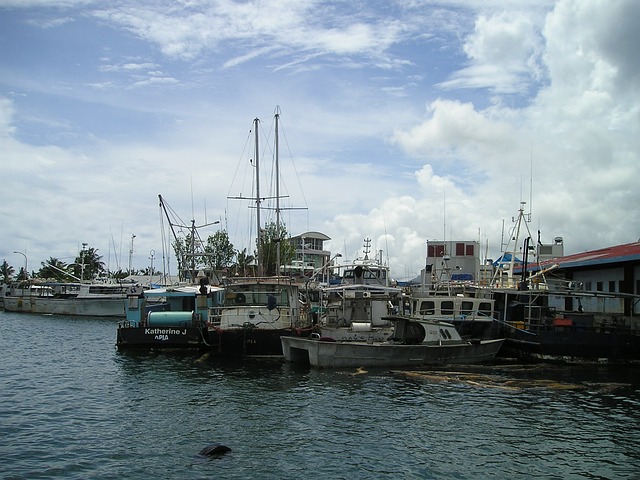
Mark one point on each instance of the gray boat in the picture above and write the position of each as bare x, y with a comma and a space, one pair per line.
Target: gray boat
414, 342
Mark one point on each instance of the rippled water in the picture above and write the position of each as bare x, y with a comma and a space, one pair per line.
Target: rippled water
71, 406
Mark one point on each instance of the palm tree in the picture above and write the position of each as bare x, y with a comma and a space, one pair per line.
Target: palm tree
245, 263
53, 268
6, 271
88, 264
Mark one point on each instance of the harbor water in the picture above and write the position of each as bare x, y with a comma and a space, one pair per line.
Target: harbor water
73, 407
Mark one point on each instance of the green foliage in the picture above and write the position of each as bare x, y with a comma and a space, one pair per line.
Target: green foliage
6, 271
120, 274
244, 263
220, 250
54, 268
217, 254
271, 237
88, 264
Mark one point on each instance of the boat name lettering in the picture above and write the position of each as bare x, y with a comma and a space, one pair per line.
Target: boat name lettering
165, 331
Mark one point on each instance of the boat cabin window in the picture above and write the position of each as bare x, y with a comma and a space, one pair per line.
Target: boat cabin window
485, 309
466, 308
446, 307
367, 274
427, 308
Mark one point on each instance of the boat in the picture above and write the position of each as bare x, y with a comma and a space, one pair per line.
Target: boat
548, 312
454, 298
176, 317
358, 308
75, 298
473, 317
258, 310
255, 313
414, 342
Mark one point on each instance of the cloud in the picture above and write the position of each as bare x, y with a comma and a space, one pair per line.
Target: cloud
503, 54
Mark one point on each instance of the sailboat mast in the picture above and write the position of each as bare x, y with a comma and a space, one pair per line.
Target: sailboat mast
278, 239
258, 231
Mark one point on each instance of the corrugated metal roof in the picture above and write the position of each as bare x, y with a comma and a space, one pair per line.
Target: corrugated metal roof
627, 252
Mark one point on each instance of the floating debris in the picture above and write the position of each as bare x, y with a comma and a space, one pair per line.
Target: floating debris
214, 450
497, 381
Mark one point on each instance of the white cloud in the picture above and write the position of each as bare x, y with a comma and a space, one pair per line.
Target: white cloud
503, 54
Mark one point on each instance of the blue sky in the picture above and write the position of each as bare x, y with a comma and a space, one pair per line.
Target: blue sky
403, 121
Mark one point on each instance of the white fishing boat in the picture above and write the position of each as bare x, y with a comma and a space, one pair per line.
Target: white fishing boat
258, 310
81, 299
414, 342
358, 308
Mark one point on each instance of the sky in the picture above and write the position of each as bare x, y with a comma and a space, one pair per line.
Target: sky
401, 121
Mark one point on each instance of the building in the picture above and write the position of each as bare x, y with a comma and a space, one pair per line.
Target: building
611, 270
310, 254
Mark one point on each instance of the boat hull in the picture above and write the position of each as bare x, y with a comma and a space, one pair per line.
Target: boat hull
241, 342
326, 354
102, 307
162, 337
573, 347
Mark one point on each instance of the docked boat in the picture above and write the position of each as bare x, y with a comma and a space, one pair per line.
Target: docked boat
536, 329
582, 308
81, 299
470, 310
414, 342
449, 290
255, 313
169, 318
358, 309
258, 310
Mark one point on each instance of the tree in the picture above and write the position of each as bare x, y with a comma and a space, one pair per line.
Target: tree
219, 250
53, 268
244, 263
187, 256
6, 271
88, 264
22, 275
271, 237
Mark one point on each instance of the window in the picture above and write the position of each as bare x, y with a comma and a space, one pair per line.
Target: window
469, 250
427, 308
612, 285
599, 287
485, 308
446, 307
436, 251
466, 308
459, 249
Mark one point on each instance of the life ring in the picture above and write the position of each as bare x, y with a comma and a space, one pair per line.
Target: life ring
240, 298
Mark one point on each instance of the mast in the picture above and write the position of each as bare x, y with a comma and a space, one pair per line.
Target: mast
258, 232
278, 239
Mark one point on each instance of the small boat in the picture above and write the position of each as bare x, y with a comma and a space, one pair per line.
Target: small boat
169, 318
414, 342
